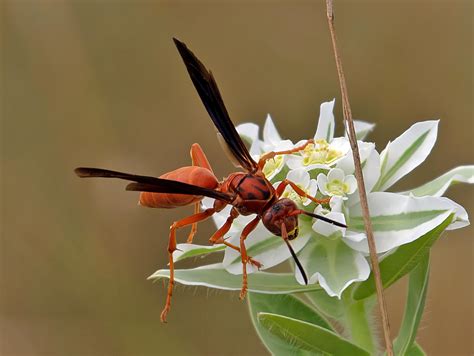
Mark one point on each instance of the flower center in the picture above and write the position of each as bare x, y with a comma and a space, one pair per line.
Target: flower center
337, 187
319, 153
273, 165
292, 195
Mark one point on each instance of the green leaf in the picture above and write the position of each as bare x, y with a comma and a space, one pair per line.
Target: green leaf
286, 305
358, 322
215, 276
309, 337
188, 251
438, 186
415, 350
401, 262
417, 288
331, 306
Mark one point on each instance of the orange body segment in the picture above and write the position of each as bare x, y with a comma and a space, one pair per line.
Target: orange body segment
195, 175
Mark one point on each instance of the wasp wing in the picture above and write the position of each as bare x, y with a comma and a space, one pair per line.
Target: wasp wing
207, 89
152, 184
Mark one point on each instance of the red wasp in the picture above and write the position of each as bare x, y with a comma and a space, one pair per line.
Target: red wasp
248, 192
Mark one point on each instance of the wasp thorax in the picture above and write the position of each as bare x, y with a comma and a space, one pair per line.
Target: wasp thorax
278, 214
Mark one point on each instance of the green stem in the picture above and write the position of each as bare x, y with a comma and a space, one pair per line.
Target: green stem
358, 324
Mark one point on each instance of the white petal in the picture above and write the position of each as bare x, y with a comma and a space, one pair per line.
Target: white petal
256, 149
248, 131
263, 247
437, 187
283, 145
399, 219
347, 163
371, 172
351, 182
461, 218
326, 229
362, 129
407, 152
321, 210
295, 162
207, 203
275, 146
326, 122
220, 217
352, 236
336, 173
336, 204
300, 177
311, 189
333, 264
270, 133
322, 181
276, 170
341, 144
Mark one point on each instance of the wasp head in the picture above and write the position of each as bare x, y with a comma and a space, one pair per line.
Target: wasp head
279, 213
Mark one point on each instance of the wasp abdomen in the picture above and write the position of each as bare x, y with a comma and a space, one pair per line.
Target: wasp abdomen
195, 175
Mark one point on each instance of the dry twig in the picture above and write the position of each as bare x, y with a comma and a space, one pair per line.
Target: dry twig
360, 181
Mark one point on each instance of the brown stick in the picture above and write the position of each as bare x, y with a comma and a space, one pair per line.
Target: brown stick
360, 181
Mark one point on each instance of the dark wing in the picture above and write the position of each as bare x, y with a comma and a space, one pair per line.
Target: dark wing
207, 89
152, 184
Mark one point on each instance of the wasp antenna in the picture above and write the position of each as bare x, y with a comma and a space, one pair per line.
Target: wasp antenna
321, 217
284, 235
297, 261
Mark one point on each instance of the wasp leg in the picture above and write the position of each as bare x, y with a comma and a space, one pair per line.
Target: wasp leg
250, 260
243, 253
281, 188
172, 247
272, 154
197, 210
218, 237
219, 234
198, 158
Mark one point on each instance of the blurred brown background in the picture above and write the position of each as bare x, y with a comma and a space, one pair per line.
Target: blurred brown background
100, 83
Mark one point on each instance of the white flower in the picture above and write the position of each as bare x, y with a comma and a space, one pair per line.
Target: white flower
336, 183
249, 133
271, 142
303, 181
326, 150
332, 256
334, 213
